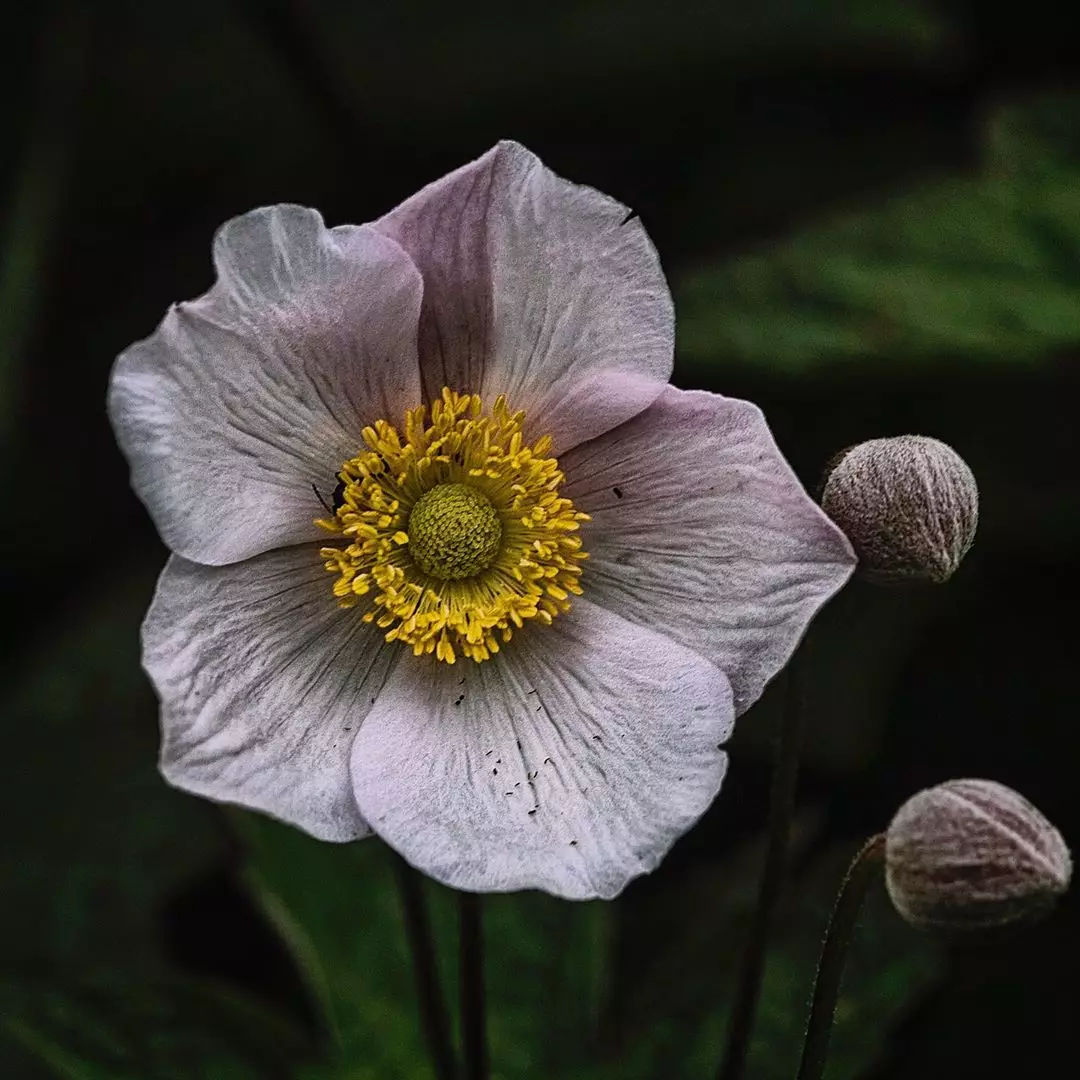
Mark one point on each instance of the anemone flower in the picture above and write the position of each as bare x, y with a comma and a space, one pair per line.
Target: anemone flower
451, 562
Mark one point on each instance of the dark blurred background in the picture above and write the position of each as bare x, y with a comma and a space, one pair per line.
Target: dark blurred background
869, 212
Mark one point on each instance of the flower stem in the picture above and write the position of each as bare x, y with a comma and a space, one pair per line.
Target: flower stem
434, 1018
473, 1020
781, 807
830, 969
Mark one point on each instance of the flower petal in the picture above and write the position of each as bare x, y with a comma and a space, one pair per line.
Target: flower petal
245, 398
264, 682
570, 762
539, 289
701, 530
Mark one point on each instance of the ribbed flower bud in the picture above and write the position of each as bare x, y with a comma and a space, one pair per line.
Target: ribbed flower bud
973, 855
909, 505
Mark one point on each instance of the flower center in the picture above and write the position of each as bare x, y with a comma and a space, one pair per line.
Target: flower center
453, 532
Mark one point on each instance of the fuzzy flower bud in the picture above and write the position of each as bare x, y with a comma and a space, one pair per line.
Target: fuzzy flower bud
909, 505
973, 855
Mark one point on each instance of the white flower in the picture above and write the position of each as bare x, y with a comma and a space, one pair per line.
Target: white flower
580, 730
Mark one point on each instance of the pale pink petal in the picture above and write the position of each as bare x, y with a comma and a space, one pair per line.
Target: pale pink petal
539, 289
700, 530
570, 762
264, 682
245, 398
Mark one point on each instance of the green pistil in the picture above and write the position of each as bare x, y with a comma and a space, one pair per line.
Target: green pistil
454, 532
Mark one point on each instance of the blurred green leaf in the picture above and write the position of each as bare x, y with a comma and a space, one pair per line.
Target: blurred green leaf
553, 1007
549, 973
684, 952
984, 269
337, 908
113, 1030
102, 844
100, 839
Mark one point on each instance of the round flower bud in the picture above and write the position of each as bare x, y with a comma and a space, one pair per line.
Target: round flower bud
973, 855
909, 505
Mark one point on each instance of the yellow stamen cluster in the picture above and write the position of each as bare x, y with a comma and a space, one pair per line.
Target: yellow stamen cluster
455, 533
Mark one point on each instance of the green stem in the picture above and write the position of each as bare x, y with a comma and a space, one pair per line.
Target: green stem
781, 809
862, 871
471, 970
434, 1018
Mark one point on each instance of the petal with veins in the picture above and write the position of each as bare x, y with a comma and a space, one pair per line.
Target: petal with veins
570, 762
243, 399
701, 530
546, 291
264, 683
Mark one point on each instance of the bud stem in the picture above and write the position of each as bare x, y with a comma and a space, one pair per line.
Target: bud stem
781, 808
471, 973
434, 1018
862, 871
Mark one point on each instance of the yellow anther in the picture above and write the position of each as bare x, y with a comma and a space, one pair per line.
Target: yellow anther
446, 533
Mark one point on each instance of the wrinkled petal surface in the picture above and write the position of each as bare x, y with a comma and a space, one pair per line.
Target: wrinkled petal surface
263, 682
700, 530
570, 762
539, 289
245, 398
